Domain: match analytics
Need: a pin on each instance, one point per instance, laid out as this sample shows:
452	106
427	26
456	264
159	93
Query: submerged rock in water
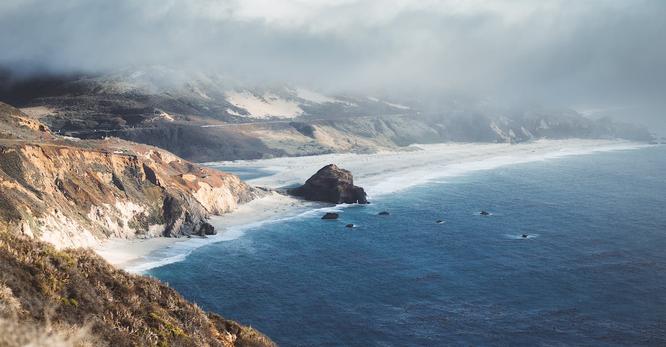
439	221
383	213
349	225
524	236
331	184
484	213
330	215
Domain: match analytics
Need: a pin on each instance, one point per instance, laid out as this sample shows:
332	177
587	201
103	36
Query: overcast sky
592	52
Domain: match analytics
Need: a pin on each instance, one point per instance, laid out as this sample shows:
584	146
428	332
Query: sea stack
331	184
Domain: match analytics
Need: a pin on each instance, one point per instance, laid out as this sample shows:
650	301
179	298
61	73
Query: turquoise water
244	173
591	272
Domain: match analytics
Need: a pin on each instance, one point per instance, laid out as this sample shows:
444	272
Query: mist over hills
255	61
605	55
208	117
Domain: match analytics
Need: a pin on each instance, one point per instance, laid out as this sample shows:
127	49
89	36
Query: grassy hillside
73	297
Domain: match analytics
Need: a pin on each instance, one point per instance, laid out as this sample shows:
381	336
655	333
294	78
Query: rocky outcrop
74	298
77	192
331	184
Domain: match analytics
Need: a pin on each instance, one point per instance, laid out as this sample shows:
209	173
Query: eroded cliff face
76	193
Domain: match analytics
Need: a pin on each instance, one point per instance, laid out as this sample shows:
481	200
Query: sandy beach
123	252
141	254
380	173
388	172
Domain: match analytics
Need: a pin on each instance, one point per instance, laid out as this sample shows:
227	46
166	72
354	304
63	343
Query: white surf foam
520	236
181	250
401	179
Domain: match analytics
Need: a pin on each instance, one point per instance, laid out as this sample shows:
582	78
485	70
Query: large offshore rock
331	184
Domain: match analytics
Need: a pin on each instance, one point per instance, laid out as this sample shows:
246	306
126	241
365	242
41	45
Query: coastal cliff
59	195
72	192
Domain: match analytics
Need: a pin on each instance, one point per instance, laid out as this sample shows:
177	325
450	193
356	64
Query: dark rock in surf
383	213
349	225
330	215
207	229
331	184
439	221
524	236
484	213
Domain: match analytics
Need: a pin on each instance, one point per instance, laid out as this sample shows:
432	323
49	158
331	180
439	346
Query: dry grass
52	294
20	334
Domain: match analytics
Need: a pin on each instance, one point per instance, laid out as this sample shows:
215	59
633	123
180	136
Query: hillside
74	298
73	192
205	117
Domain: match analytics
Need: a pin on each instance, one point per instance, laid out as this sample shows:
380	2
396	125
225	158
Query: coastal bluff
76	193
331	184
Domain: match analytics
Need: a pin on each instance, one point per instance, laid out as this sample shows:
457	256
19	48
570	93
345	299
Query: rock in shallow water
330	215
331	184
383	213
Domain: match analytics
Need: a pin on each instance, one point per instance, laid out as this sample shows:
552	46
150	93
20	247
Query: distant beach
388	172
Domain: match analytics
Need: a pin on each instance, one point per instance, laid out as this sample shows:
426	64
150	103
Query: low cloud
558	51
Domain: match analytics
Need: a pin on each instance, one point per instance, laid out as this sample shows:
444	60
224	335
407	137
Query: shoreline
388	172
138	255
380	174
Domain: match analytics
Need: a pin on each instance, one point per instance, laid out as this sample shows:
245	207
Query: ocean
591	271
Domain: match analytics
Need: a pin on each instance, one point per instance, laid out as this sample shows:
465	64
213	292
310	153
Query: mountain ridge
209	118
